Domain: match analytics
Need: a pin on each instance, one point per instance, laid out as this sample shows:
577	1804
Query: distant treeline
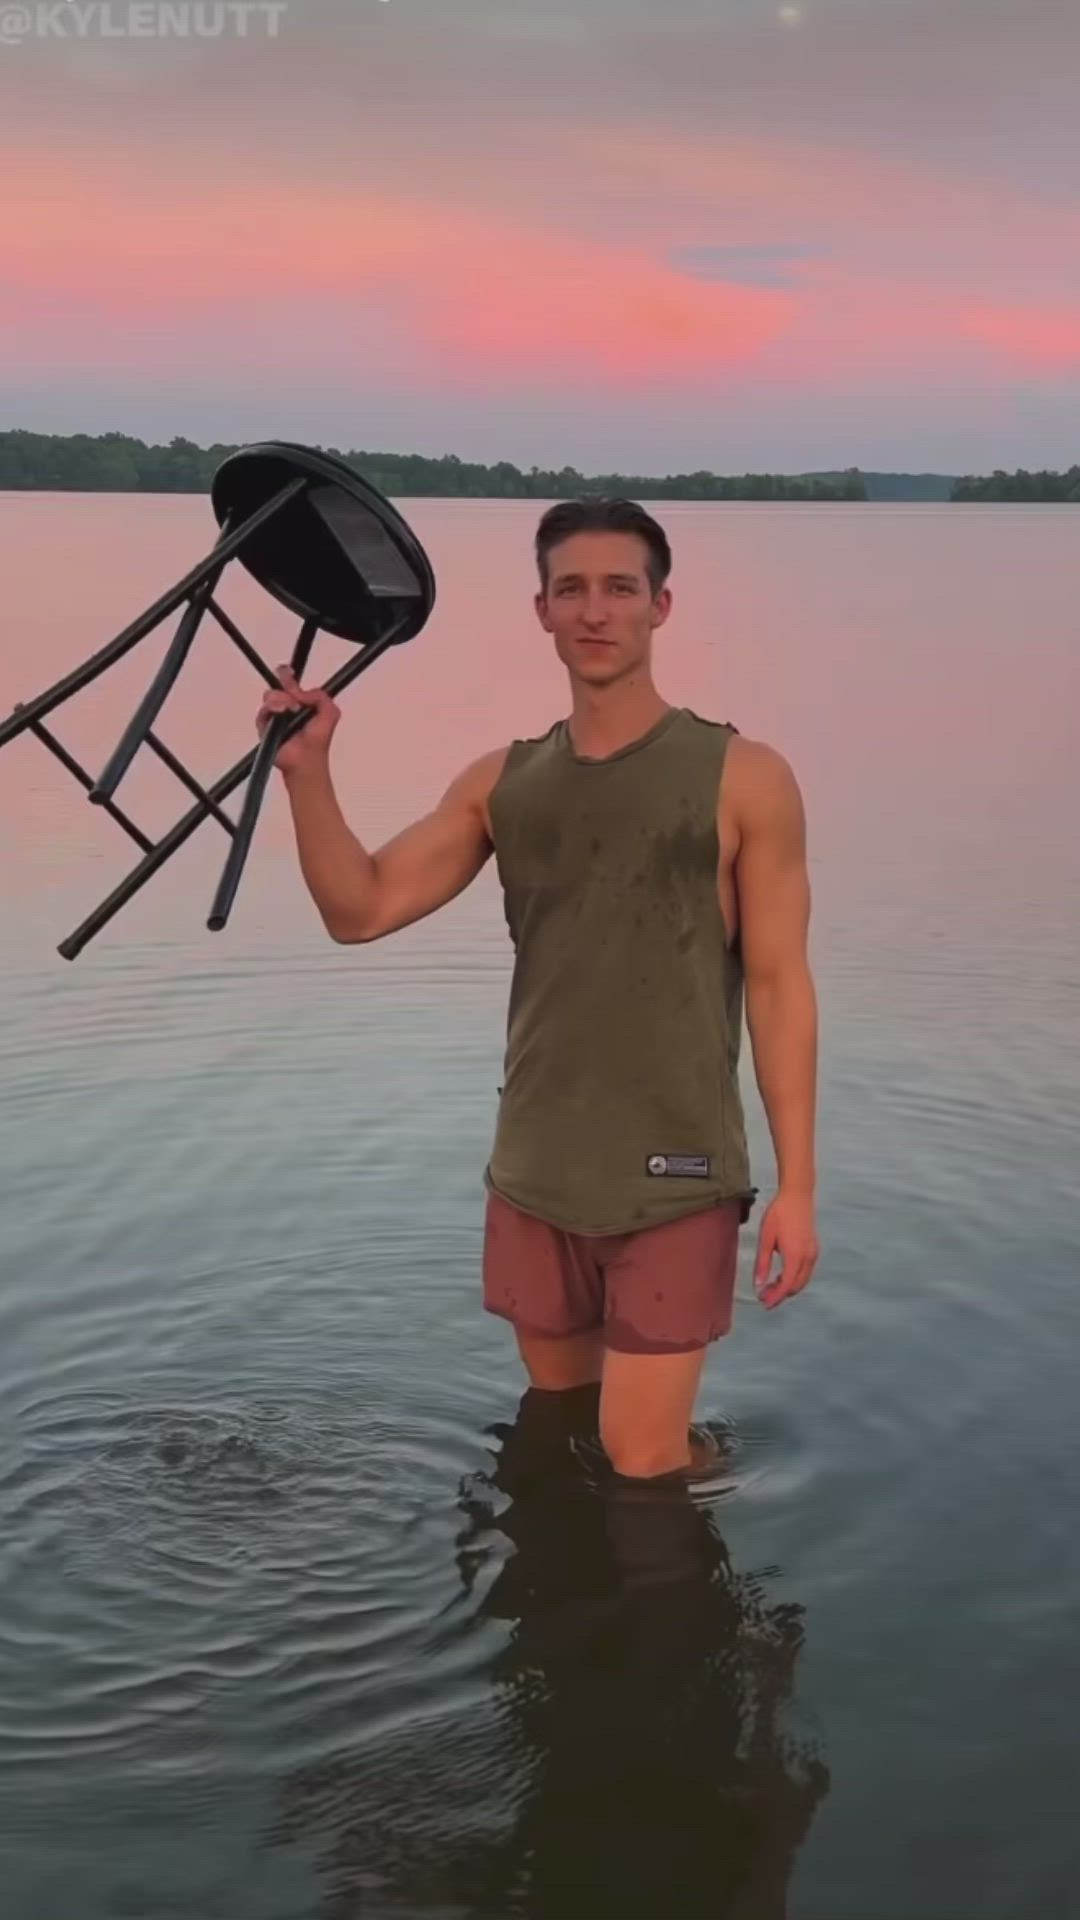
1020	485
115	463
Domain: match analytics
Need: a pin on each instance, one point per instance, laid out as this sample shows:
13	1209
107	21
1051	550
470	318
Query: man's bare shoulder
474	785
761	785
479	776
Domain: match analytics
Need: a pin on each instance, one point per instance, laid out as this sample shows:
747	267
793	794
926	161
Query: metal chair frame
286	482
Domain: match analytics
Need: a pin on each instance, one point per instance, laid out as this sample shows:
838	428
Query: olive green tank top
620	1106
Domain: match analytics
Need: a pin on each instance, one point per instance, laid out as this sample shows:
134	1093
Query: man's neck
605	719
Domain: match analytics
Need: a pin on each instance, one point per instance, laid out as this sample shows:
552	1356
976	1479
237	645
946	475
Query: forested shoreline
1021	486
119	463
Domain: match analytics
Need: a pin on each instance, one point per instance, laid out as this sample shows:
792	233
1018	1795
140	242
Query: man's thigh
671	1289
547	1283
669	1292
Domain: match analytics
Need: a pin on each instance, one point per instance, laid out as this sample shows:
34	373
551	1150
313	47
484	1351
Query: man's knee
637	1454
645	1411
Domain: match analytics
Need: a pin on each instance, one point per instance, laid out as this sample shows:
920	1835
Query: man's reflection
650	1683
626	1754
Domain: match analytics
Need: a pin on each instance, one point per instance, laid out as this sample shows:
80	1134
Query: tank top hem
678	1207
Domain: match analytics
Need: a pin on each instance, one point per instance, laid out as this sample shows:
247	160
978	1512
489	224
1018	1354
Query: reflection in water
649	1681
645	1694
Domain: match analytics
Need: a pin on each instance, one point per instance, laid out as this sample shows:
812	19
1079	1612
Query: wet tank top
621	1105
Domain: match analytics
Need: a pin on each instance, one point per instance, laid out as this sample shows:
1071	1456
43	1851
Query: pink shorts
663	1289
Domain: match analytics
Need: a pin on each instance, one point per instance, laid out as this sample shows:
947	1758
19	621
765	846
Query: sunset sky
655	236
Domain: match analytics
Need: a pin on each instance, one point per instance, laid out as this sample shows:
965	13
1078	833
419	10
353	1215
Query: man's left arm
781	1007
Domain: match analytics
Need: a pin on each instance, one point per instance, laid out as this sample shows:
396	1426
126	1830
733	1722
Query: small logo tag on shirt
678	1166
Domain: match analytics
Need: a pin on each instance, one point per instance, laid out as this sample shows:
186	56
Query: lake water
284	1633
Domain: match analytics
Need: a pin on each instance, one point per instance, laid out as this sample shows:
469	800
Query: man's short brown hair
598	514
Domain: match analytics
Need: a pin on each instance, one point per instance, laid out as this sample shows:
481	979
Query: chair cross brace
195	594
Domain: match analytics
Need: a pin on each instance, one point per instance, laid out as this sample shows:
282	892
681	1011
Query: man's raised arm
363	896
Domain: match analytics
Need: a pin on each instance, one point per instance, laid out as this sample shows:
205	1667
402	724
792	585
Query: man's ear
540	603
661	606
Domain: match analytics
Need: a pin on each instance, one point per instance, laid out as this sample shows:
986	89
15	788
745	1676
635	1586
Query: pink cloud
1030	339
109	264
473	291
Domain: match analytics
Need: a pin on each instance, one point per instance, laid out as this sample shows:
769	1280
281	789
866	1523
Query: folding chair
324	543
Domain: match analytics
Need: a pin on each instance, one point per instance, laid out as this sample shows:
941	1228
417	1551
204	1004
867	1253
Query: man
653	866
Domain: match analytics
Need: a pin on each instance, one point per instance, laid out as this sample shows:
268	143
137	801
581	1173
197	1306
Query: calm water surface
299	1622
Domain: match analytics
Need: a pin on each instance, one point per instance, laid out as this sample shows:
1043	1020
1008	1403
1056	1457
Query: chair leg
262	767
185	827
138	727
54	696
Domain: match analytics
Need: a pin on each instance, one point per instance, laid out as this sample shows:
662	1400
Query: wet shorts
662	1289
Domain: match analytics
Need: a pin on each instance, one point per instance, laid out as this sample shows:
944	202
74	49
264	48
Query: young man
653	865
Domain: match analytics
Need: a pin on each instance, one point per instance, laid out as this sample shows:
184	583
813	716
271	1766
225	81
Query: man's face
600	607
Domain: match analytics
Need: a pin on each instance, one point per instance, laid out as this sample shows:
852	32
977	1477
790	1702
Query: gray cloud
913	424
988	83
748	266
481	103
